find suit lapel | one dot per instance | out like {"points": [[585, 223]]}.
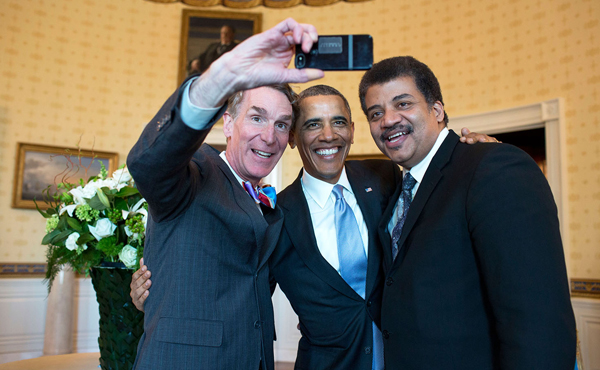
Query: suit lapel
{"points": [[430, 180], [274, 218], [298, 224], [369, 204], [265, 240]]}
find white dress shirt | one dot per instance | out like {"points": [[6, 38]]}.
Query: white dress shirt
{"points": [[418, 172], [321, 204]]}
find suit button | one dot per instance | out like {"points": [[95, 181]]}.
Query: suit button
{"points": [[369, 303], [368, 350], [389, 281], [386, 334], [257, 325]]}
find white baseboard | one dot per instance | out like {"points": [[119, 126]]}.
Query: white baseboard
{"points": [[587, 315], [23, 313]]}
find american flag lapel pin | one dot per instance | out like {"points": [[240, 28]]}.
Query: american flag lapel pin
{"points": [[368, 190]]}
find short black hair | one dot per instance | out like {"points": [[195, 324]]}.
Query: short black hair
{"points": [[318, 90], [229, 26], [392, 68]]}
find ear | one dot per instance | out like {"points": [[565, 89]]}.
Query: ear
{"points": [[291, 140], [227, 124], [352, 136], [438, 110]]}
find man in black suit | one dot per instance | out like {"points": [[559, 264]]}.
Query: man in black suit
{"points": [[475, 271], [207, 226], [338, 318], [214, 50]]}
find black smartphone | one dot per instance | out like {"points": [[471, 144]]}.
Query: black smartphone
{"points": [[338, 53]]}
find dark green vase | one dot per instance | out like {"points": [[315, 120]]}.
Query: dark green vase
{"points": [[121, 324]]}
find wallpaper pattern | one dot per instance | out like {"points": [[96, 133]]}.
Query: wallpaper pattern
{"points": [[99, 69]]}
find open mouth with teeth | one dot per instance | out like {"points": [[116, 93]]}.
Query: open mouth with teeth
{"points": [[262, 154], [326, 152], [397, 137]]}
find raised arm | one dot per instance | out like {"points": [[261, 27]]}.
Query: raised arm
{"points": [[160, 160]]}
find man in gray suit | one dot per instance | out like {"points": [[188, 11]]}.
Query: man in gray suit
{"points": [[204, 229]]}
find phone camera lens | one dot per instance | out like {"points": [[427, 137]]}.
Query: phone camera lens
{"points": [[300, 61]]}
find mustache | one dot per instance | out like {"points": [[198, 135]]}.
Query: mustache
{"points": [[397, 127]]}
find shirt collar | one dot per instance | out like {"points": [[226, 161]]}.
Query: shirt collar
{"points": [[320, 190], [222, 155], [418, 171]]}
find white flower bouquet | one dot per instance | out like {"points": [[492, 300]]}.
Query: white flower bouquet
{"points": [[103, 220]]}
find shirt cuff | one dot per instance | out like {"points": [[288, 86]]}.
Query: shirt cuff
{"points": [[196, 117]]}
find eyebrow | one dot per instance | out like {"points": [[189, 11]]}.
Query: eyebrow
{"points": [[339, 118], [401, 97], [312, 120], [319, 119], [287, 117], [395, 99], [259, 110], [263, 112]]}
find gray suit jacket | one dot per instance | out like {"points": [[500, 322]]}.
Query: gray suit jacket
{"points": [[207, 241]]}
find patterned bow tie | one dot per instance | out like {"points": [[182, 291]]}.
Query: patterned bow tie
{"points": [[265, 195]]}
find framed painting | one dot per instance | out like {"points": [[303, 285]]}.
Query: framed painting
{"points": [[40, 166], [202, 39]]}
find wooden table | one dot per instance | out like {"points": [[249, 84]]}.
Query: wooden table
{"points": [[73, 361]]}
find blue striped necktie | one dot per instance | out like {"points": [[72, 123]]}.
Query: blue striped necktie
{"points": [[353, 260], [351, 251]]}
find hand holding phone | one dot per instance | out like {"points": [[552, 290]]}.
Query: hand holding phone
{"points": [[338, 53]]}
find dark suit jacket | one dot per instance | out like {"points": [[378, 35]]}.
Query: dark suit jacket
{"points": [[480, 280], [209, 244], [212, 53], [335, 322]]}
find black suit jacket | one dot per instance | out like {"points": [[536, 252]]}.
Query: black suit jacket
{"points": [[212, 53], [207, 240], [335, 322], [480, 279]]}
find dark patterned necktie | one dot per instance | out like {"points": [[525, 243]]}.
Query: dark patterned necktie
{"points": [[403, 204]]}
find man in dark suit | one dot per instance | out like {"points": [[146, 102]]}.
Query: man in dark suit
{"points": [[214, 50], [204, 228], [338, 319], [475, 271]]}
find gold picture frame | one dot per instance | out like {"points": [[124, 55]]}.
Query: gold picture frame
{"points": [[200, 28], [38, 166]]}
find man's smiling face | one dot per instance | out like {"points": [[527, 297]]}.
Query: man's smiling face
{"points": [[402, 123], [323, 133], [259, 134]]}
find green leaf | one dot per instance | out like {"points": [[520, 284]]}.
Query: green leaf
{"points": [[96, 203], [85, 238], [48, 237], [74, 224], [127, 191], [62, 222], [121, 204], [61, 237], [45, 214], [103, 198], [52, 211]]}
